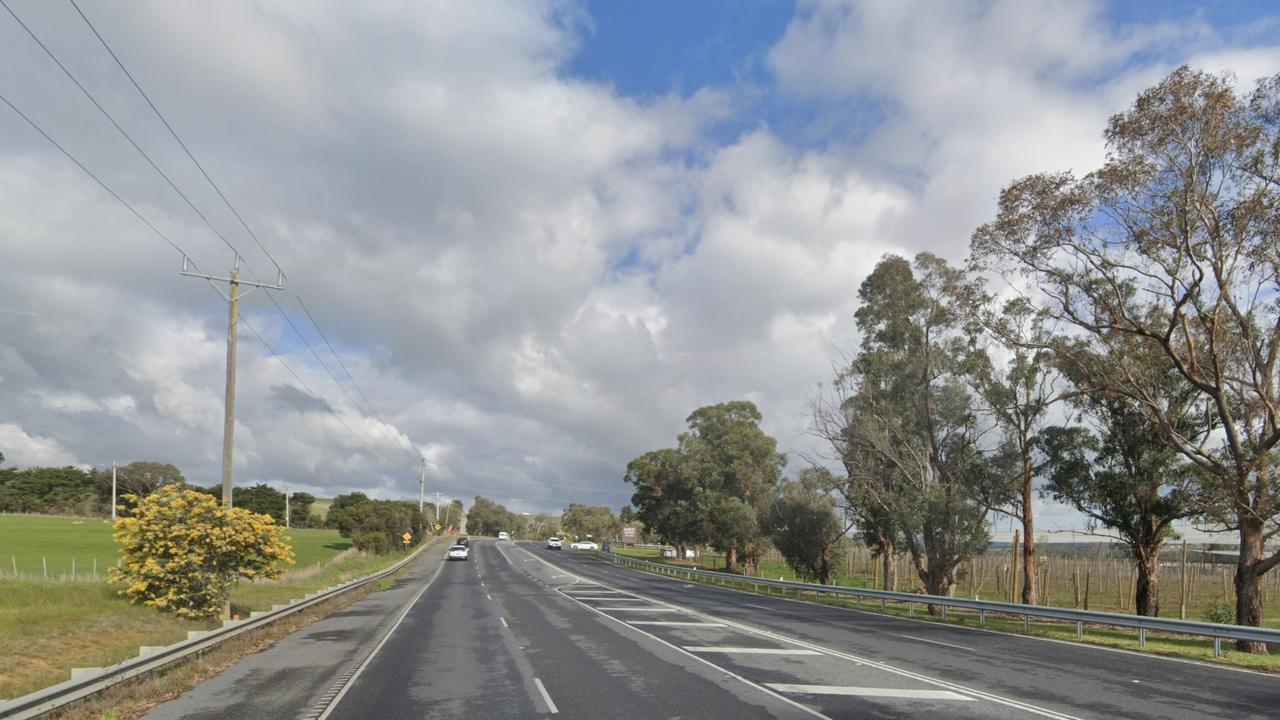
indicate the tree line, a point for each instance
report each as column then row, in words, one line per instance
column 1127, row 366
column 722, row 485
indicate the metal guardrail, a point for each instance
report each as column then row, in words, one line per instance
column 1081, row 618
column 80, row 688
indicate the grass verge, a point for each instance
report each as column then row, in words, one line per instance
column 133, row 698
column 48, row 628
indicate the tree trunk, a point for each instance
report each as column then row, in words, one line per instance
column 731, row 559
column 1146, row 596
column 1248, row 593
column 889, row 559
column 1029, row 591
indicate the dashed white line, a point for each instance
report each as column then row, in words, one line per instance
column 504, row 621
column 546, row 698
column 751, row 651
column 674, row 623
column 868, row 692
column 935, row 642
column 643, row 609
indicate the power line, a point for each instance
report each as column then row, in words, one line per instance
column 169, row 241
column 243, row 223
column 71, row 76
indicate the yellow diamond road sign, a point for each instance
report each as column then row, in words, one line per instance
column 407, row 537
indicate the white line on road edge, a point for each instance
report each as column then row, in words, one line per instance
column 869, row 692
column 613, row 598
column 391, row 631
column 935, row 642
column 550, row 705
column 750, row 651
column 504, row 621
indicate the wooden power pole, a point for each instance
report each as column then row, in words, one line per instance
column 229, row 400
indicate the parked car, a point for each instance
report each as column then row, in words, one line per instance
column 458, row 552
column 553, row 543
column 503, row 536
column 584, row 545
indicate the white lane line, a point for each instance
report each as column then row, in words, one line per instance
column 674, row 623
column 504, row 621
column 751, row 651
column 935, row 642
column 547, row 698
column 356, row 675
column 613, row 598
column 758, row 607
column 642, row 609
column 868, row 692
column 488, row 596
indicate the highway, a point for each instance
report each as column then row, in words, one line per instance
column 520, row 631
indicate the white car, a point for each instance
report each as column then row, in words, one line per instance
column 584, row 545
column 553, row 543
column 503, row 536
column 458, row 552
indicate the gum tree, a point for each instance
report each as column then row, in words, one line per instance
column 1169, row 255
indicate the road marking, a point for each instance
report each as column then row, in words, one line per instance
column 601, row 597
column 758, row 607
column 751, row 651
column 550, row 705
column 595, row 589
column 504, row 621
column 642, row 609
column 391, row 631
column 488, row 596
column 674, row 623
column 868, row 692
column 935, row 642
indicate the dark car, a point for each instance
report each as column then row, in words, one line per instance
column 463, row 541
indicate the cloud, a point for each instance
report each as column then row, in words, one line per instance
column 532, row 277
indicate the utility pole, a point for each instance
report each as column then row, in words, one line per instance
column 286, row 507
column 229, row 401
column 437, row 506
column 113, row 493
column 422, row 481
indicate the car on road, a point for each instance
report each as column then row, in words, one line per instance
column 464, row 541
column 553, row 543
column 459, row 552
column 584, row 545
column 503, row 536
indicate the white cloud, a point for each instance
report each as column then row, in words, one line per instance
column 532, row 277
column 23, row 449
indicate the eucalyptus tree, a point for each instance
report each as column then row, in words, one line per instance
column 1172, row 249
column 909, row 422
column 1018, row 395
column 804, row 525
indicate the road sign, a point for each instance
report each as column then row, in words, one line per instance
column 407, row 537
column 628, row 536
column 437, row 526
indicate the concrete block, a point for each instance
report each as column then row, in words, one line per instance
column 81, row 673
column 193, row 634
column 149, row 649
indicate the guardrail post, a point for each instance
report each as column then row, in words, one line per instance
column 1026, row 623
column 859, row 597
column 944, row 613
column 911, row 609
column 1217, row 647
column 1142, row 638
column 881, row 604
column 982, row 617
column 1079, row 629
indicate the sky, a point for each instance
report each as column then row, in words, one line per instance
column 537, row 235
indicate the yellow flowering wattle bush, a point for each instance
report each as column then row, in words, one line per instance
column 182, row 550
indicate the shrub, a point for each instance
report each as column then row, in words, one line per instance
column 1220, row 611
column 182, row 550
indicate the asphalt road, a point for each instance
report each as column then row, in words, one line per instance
column 521, row 631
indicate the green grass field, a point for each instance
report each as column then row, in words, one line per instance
column 30, row 543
